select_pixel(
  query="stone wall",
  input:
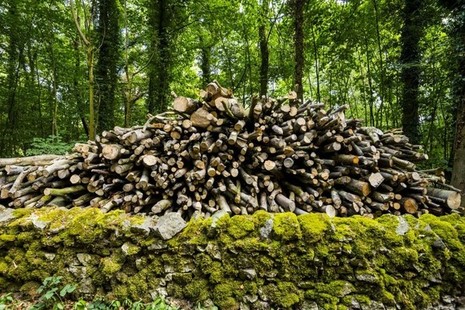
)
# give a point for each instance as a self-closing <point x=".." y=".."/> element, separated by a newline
<point x="259" y="261"/>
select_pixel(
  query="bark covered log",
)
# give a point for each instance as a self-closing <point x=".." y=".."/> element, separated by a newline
<point x="281" y="155"/>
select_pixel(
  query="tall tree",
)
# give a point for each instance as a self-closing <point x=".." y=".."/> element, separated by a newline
<point x="297" y="8"/>
<point x="160" y="17"/>
<point x="410" y="59"/>
<point x="458" y="35"/>
<point x="264" y="52"/>
<point x="108" y="56"/>
<point x="82" y="13"/>
<point x="14" y="51"/>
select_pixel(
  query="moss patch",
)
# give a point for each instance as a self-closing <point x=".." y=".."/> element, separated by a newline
<point x="289" y="260"/>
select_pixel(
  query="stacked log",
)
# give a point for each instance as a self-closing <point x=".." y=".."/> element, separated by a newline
<point x="213" y="154"/>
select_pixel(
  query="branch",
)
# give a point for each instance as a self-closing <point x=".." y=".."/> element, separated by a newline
<point x="75" y="18"/>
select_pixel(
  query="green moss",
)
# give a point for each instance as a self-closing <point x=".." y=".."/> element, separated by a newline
<point x="198" y="290"/>
<point x="284" y="294"/>
<point x="261" y="217"/>
<point x="7" y="238"/>
<point x="22" y="212"/>
<point x="223" y="294"/>
<point x="110" y="266"/>
<point x="240" y="226"/>
<point x="338" y="288"/>
<point x="314" y="226"/>
<point x="130" y="249"/>
<point x="3" y="266"/>
<point x="286" y="227"/>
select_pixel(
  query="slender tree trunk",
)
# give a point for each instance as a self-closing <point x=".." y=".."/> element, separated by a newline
<point x="370" y="85"/>
<point x="13" y="50"/>
<point x="299" y="57"/>
<point x="159" y="72"/>
<point x="264" y="52"/>
<point x="91" y="82"/>
<point x="410" y="58"/>
<point x="458" y="167"/>
<point x="205" y="65"/>
<point x="80" y="107"/>
<point x="86" y="39"/>
<point x="382" y="73"/>
<point x="317" y="64"/>
<point x="106" y="63"/>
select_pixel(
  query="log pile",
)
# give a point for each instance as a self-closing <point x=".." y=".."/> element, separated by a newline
<point x="213" y="154"/>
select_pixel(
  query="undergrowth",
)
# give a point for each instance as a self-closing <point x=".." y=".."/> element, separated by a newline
<point x="54" y="295"/>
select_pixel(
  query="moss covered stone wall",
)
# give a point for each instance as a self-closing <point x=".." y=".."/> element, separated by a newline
<point x="258" y="261"/>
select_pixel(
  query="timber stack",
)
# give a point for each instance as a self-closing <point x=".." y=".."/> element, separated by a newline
<point x="279" y="155"/>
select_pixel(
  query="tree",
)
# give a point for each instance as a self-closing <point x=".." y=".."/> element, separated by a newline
<point x="83" y="18"/>
<point x="161" y="14"/>
<point x="264" y="52"/>
<point x="14" y="51"/>
<point x="108" y="57"/>
<point x="297" y="7"/>
<point x="458" y="35"/>
<point x="410" y="59"/>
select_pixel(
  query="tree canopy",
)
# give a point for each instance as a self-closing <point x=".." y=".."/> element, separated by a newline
<point x="70" y="69"/>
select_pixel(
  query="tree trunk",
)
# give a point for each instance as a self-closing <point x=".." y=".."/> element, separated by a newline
<point x="299" y="57"/>
<point x="458" y="167"/>
<point x="159" y="72"/>
<point x="6" y="145"/>
<point x="107" y="60"/>
<point x="264" y="52"/>
<point x="410" y="58"/>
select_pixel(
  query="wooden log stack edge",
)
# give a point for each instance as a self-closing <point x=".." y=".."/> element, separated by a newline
<point x="278" y="155"/>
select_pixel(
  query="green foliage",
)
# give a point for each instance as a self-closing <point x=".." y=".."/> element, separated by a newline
<point x="49" y="145"/>
<point x="53" y="294"/>
<point x="5" y="301"/>
<point x="352" y="51"/>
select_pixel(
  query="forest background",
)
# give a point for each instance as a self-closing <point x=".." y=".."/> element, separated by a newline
<point x="72" y="68"/>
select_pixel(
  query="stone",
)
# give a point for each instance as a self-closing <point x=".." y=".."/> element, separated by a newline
<point x="448" y="299"/>
<point x="403" y="226"/>
<point x="266" y="230"/>
<point x="37" y="223"/>
<point x="216" y="216"/>
<point x="50" y="256"/>
<point x="169" y="225"/>
<point x="84" y="258"/>
<point x="366" y="277"/>
<point x="147" y="226"/>
<point x="249" y="273"/>
<point x="78" y="271"/>
<point x="354" y="304"/>
<point x="130" y="249"/>
<point x="439" y="244"/>
<point x="6" y="214"/>
<point x="308" y="305"/>
<point x="86" y="286"/>
<point x="250" y="298"/>
<point x="160" y="245"/>
<point x="213" y="250"/>
<point x="374" y="305"/>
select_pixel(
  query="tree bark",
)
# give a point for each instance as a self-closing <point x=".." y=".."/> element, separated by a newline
<point x="458" y="166"/>
<point x="13" y="50"/>
<point x="264" y="52"/>
<point x="107" y="60"/>
<point x="410" y="59"/>
<point x="159" y="72"/>
<point x="299" y="57"/>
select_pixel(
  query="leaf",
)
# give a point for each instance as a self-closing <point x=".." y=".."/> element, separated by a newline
<point x="50" y="293"/>
<point x="58" y="306"/>
<point x="69" y="288"/>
